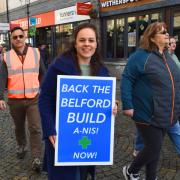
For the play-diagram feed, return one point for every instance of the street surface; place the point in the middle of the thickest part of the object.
(13, 169)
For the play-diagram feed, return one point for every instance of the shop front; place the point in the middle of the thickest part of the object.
(54, 29)
(4, 36)
(44, 30)
(123, 23)
(66, 21)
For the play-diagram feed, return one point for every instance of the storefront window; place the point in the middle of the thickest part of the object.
(120, 38)
(110, 39)
(63, 37)
(156, 17)
(131, 34)
(44, 37)
(176, 32)
(123, 34)
(4, 40)
(142, 24)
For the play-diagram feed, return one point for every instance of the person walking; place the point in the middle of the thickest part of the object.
(150, 95)
(44, 54)
(174, 131)
(172, 48)
(81, 59)
(21, 70)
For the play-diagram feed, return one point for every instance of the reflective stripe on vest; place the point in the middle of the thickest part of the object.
(22, 91)
(23, 78)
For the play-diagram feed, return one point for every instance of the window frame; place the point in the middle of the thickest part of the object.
(125, 16)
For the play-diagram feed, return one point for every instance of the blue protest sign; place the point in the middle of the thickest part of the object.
(84, 120)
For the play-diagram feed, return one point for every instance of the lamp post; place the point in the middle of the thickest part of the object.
(27, 5)
(7, 8)
(8, 21)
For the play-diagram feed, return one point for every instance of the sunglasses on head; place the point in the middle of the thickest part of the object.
(163, 32)
(19, 36)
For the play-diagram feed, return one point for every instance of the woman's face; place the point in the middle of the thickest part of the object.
(172, 44)
(85, 45)
(161, 38)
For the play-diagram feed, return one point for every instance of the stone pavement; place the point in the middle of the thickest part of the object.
(13, 169)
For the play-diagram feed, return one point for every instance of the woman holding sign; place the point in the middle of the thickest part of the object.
(81, 59)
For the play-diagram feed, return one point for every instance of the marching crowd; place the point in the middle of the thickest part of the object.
(150, 95)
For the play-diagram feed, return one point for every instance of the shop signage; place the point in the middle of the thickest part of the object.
(83, 8)
(13, 25)
(69, 14)
(84, 120)
(108, 5)
(116, 2)
(42, 20)
(32, 21)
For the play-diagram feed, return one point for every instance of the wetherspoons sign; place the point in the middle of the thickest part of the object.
(105, 4)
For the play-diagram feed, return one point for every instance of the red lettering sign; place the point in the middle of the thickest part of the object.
(83, 8)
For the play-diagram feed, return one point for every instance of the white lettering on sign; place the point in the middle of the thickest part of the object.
(38, 21)
(67, 13)
(88, 130)
(73, 88)
(90, 103)
(102, 89)
(85, 155)
(24, 23)
(106, 4)
(86, 118)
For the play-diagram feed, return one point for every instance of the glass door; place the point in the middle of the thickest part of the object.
(120, 43)
(110, 38)
(176, 32)
(63, 37)
(143, 22)
(131, 34)
(44, 37)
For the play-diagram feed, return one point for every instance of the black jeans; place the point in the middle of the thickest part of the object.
(149, 156)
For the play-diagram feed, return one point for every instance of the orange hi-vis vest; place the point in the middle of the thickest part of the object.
(23, 79)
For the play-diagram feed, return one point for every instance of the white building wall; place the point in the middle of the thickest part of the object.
(2, 6)
(12, 4)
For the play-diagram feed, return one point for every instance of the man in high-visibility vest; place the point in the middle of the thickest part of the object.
(21, 70)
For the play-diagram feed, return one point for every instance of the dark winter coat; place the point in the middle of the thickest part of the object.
(64, 65)
(150, 85)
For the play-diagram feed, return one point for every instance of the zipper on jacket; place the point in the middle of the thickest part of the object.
(173, 89)
(23, 80)
(22, 61)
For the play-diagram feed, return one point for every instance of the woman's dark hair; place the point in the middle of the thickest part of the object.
(95, 62)
(146, 39)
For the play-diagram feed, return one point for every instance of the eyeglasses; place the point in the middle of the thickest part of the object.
(162, 32)
(19, 36)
